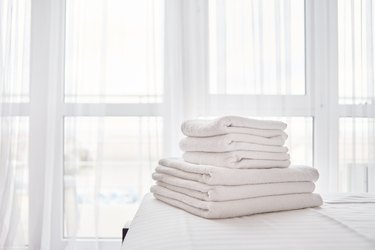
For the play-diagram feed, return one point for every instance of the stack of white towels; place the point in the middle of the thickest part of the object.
(234, 166)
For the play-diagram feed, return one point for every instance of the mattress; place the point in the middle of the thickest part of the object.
(345, 221)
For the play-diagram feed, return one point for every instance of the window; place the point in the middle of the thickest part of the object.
(113, 55)
(107, 166)
(113, 51)
(257, 66)
(356, 96)
(357, 159)
(257, 47)
(356, 52)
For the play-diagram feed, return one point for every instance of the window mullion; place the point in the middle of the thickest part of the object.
(112, 109)
(321, 76)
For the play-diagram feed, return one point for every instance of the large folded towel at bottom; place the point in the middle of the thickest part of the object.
(233, 142)
(225, 193)
(239, 159)
(235, 208)
(233, 124)
(226, 176)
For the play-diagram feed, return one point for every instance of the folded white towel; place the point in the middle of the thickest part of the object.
(235, 208)
(233, 142)
(224, 193)
(225, 176)
(232, 124)
(239, 159)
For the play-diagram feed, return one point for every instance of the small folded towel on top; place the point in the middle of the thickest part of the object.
(233, 142)
(224, 193)
(226, 176)
(234, 208)
(239, 159)
(233, 124)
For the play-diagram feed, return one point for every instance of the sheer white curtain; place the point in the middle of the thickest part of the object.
(14, 55)
(92, 122)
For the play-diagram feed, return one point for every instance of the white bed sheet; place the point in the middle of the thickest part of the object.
(345, 221)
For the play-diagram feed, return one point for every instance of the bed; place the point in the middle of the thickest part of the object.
(345, 221)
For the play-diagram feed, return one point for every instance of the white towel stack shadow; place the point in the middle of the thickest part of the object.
(234, 166)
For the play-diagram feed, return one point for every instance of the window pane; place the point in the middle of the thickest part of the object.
(113, 51)
(14, 50)
(14, 138)
(356, 51)
(357, 158)
(108, 163)
(257, 47)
